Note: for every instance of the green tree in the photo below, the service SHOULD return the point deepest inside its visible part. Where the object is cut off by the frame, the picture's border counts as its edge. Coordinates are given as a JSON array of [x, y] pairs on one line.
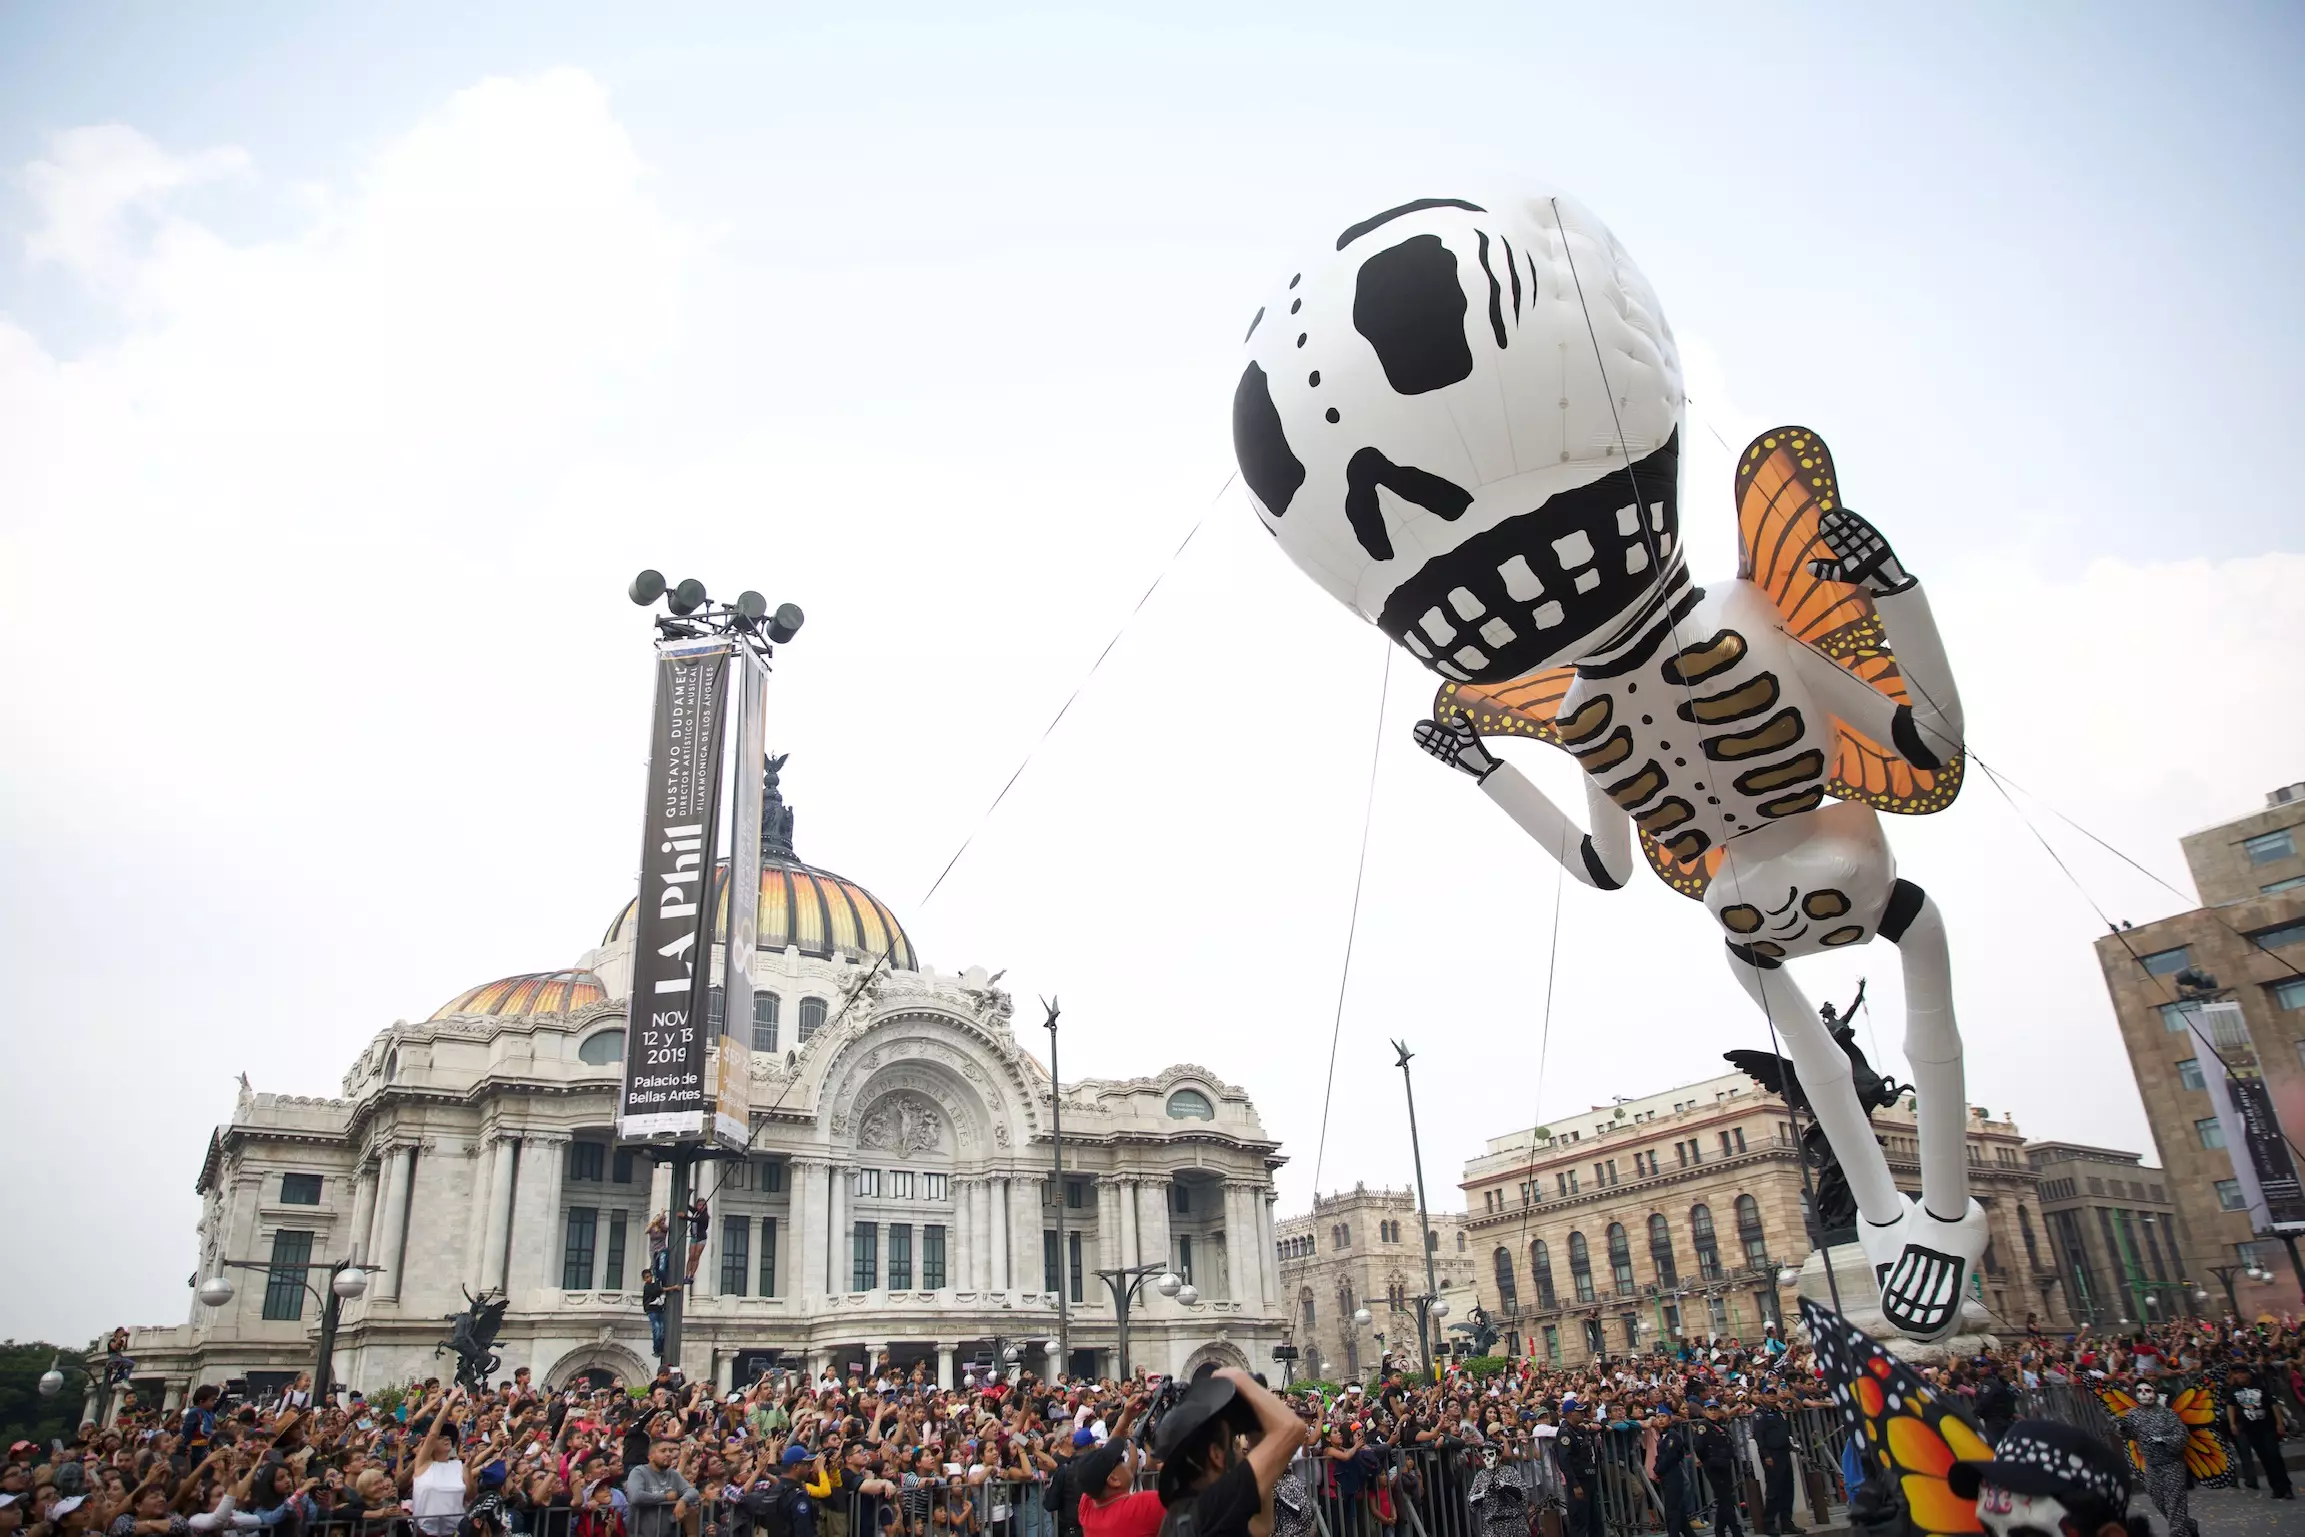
[[24, 1414]]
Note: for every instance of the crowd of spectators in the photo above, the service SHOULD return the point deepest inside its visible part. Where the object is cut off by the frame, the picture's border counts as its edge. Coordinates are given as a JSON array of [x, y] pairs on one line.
[[886, 1452]]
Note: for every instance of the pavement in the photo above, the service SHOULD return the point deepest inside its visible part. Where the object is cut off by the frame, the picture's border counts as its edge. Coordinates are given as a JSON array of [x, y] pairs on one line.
[[2247, 1513]]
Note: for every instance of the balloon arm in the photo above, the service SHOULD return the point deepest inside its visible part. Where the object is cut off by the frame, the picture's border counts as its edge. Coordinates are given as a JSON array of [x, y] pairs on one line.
[[1928, 732], [1912, 631], [1603, 860]]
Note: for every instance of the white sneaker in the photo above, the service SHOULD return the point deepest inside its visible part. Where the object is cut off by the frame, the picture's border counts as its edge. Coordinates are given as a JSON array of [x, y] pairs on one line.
[[1922, 1265]]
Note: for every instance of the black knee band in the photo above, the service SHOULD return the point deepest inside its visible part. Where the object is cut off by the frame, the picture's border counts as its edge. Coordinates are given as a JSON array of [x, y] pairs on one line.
[[1597, 870], [1753, 958], [1905, 901], [1907, 738]]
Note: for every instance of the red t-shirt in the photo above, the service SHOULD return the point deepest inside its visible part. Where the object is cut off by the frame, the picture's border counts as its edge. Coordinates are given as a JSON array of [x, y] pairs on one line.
[[1132, 1515]]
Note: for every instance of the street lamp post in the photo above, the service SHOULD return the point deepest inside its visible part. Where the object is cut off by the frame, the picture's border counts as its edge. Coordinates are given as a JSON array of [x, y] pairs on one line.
[[1127, 1287], [1063, 1258], [1430, 1311], [1424, 1226], [2225, 1275], [347, 1280], [1362, 1318]]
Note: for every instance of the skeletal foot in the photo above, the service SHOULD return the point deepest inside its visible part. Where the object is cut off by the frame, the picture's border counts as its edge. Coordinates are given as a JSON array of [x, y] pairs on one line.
[[1922, 1263]]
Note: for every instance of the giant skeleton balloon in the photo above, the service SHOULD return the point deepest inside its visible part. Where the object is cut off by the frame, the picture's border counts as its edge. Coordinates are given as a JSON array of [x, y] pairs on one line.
[[1464, 423]]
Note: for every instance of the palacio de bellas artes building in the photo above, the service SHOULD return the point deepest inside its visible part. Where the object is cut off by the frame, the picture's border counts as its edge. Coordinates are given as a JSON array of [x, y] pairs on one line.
[[899, 1198]]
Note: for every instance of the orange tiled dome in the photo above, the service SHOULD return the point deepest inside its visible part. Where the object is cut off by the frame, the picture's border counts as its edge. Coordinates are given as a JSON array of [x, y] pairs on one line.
[[538, 992], [822, 913]]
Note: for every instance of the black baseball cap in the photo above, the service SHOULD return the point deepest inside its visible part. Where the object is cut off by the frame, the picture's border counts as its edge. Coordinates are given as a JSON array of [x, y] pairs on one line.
[[2046, 1457], [1091, 1468]]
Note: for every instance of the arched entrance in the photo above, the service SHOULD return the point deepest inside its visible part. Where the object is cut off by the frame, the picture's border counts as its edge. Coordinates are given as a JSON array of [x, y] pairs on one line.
[[601, 1364], [1216, 1353]]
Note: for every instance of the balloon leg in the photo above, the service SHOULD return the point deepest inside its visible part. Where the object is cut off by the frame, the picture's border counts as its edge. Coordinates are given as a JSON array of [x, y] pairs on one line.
[[1933, 1050], [1824, 1070]]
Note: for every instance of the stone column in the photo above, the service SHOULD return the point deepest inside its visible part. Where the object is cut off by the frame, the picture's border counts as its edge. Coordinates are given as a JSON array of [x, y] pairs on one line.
[[473, 1272], [997, 1213], [1272, 1249], [802, 1272], [1024, 1241], [363, 1213], [1131, 1232], [395, 1169], [372, 1244], [1241, 1243], [961, 1240], [1107, 1223], [945, 1351], [1153, 1218], [980, 1216], [536, 1216], [840, 1244], [708, 1268], [496, 1233]]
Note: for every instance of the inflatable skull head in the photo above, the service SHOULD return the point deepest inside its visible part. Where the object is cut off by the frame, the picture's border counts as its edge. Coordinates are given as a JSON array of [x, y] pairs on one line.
[[1436, 425]]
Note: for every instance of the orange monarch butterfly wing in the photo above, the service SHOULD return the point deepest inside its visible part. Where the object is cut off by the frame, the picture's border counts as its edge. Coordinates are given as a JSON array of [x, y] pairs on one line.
[[2118, 1403], [1529, 706], [1912, 1436], [1785, 481], [2205, 1452]]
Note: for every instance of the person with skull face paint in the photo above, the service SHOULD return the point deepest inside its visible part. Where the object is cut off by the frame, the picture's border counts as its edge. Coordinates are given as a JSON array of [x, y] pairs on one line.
[[2154, 1426], [1500, 1493], [2049, 1479]]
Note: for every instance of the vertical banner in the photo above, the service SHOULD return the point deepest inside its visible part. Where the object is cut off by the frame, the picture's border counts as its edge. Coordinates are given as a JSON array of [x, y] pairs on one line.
[[2253, 1136], [664, 1054], [732, 1051]]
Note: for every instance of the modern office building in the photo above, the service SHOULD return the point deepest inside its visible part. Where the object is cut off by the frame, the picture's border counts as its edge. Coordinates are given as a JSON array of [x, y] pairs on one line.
[[2114, 1231], [2244, 946]]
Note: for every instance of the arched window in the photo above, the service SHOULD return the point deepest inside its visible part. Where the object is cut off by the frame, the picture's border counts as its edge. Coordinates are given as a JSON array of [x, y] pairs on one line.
[[601, 1048], [1620, 1260], [1661, 1249], [1701, 1240], [811, 1019], [1541, 1268], [1749, 1232], [764, 1012], [1508, 1294], [1191, 1105], [1580, 1267], [1305, 1300]]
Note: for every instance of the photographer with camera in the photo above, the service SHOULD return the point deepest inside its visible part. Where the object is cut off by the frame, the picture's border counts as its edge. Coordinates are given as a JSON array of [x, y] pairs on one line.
[[1210, 1486]]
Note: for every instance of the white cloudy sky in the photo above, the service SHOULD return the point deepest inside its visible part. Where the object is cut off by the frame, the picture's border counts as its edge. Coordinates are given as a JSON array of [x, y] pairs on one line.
[[351, 361]]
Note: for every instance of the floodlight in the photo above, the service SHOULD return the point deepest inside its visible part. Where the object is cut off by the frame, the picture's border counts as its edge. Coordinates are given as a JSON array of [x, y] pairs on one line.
[[688, 597], [647, 587], [787, 622]]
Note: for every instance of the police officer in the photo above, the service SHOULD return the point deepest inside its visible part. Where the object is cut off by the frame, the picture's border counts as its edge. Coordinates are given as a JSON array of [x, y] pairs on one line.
[[1673, 1472], [1773, 1435], [1578, 1451], [1717, 1455]]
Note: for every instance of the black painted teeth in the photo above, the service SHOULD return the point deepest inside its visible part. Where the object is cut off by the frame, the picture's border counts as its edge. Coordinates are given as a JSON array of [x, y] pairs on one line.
[[1518, 596]]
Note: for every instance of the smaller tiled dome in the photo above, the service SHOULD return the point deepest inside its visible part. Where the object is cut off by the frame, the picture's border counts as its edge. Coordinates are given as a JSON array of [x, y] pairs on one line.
[[538, 992]]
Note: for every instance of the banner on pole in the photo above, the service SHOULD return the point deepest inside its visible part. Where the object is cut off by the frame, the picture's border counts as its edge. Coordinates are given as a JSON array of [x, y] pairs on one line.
[[2254, 1141], [665, 1087], [732, 1049]]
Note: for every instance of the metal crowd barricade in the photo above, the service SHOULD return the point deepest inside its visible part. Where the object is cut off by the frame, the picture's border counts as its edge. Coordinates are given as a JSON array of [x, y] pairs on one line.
[[1430, 1489]]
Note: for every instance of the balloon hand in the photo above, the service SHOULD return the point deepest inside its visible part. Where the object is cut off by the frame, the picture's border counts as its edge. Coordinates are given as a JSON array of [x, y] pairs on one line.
[[1860, 554], [1456, 743]]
